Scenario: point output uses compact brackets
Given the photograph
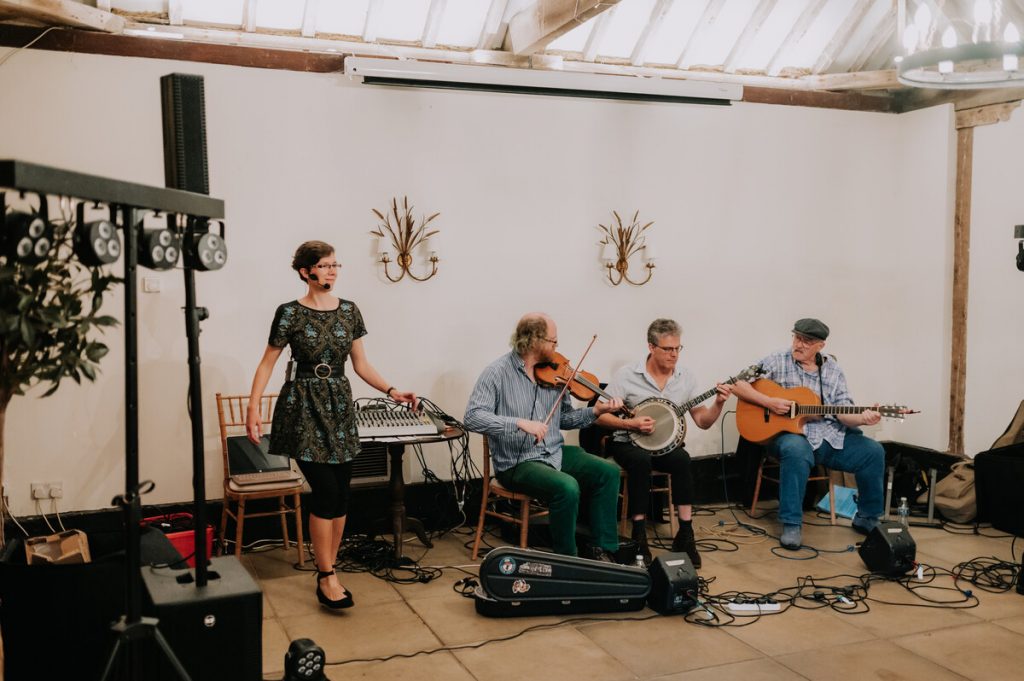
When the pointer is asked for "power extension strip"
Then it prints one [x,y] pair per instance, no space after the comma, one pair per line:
[745,608]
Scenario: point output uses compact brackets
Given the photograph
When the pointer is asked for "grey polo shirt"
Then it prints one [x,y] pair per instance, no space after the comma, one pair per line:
[634,384]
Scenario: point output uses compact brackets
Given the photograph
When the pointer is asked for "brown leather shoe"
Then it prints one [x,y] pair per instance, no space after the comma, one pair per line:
[685,542]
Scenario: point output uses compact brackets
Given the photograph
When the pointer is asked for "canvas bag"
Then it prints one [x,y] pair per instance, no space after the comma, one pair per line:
[955,497]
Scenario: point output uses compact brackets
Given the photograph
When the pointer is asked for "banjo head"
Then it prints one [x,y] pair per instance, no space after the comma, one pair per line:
[669,426]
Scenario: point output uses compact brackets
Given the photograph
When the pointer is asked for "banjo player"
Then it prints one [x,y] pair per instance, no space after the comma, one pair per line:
[659,376]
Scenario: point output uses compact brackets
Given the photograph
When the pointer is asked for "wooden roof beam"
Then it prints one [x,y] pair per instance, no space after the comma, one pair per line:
[757,19]
[534,28]
[706,21]
[658,12]
[841,36]
[795,35]
[62,13]
[862,80]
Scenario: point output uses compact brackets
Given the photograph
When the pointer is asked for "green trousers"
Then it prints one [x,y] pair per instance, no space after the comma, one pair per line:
[596,477]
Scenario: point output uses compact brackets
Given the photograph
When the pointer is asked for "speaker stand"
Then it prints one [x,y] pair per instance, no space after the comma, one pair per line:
[131,633]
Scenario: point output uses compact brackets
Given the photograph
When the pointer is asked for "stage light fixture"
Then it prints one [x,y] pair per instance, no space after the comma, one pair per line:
[96,243]
[206,250]
[27,237]
[304,661]
[159,249]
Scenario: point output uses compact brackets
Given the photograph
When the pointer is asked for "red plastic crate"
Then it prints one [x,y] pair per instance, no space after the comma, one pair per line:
[183,540]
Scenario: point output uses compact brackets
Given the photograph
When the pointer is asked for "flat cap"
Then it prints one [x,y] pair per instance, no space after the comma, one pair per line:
[811,328]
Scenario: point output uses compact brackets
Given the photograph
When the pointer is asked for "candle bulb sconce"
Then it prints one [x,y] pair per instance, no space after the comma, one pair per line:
[620,243]
[398,228]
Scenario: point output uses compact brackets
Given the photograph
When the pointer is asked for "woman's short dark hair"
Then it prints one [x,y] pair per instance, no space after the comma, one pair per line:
[309,254]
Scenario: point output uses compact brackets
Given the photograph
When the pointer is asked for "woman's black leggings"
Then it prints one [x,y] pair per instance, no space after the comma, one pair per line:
[330,484]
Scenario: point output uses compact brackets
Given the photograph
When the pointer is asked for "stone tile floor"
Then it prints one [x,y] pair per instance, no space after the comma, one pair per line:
[889,642]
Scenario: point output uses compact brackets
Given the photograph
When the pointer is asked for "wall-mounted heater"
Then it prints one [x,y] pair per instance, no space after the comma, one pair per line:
[409,73]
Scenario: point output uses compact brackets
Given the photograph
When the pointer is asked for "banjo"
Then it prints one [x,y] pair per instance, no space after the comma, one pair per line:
[669,422]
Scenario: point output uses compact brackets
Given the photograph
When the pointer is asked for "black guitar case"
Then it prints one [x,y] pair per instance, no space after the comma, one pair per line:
[518,582]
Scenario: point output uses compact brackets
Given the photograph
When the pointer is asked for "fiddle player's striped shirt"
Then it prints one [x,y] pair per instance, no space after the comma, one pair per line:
[504,394]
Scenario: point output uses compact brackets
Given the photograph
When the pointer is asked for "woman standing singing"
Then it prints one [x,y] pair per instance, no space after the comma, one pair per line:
[314,419]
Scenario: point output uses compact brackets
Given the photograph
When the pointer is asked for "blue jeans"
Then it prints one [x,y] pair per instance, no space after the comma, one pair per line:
[860,455]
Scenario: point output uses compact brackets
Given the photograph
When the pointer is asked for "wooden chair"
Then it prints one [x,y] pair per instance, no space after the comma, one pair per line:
[661,482]
[231,411]
[493,492]
[770,462]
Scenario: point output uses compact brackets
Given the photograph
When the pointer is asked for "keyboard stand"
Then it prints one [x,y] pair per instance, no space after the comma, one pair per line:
[400,522]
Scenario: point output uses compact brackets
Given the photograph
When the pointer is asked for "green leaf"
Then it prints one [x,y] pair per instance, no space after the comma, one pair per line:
[96,351]
[89,370]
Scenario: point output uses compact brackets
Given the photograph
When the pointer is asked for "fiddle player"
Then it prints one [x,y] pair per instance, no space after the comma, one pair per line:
[508,407]
[834,441]
[658,375]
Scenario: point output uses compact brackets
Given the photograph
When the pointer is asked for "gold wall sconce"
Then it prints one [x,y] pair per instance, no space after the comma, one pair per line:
[621,243]
[398,232]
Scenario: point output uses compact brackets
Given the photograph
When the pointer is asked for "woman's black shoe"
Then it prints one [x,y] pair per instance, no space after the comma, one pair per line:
[334,604]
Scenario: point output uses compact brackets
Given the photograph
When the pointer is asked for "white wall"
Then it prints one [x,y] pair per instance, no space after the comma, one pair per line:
[995,325]
[763,215]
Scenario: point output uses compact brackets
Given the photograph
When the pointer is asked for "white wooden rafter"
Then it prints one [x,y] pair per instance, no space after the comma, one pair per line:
[706,21]
[309,12]
[249,16]
[493,32]
[175,12]
[658,12]
[433,22]
[757,19]
[795,35]
[532,29]
[883,32]
[370,24]
[62,13]
[841,36]
[597,34]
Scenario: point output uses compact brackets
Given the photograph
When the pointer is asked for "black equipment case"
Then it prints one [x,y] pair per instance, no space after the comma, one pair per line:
[998,481]
[518,582]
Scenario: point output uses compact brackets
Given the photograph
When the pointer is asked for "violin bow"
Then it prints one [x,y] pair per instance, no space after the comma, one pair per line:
[565,387]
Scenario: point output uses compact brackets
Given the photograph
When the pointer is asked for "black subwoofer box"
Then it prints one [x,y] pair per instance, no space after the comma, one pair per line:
[216,632]
[889,549]
[998,482]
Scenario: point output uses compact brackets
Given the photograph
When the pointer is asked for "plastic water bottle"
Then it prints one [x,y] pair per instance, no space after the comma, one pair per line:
[903,512]
[640,561]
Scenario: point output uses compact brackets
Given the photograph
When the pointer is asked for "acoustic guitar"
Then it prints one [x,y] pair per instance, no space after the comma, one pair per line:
[759,424]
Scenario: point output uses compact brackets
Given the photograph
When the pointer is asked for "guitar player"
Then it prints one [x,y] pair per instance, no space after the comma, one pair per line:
[834,441]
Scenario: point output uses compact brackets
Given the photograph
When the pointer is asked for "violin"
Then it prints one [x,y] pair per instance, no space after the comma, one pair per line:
[582,385]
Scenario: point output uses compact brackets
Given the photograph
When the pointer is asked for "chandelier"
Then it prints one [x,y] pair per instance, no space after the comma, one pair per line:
[943,48]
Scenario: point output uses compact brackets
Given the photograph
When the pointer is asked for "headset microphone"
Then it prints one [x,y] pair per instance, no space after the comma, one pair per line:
[312,275]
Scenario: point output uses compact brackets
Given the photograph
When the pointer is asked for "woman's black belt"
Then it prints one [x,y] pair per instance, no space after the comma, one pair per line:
[313,370]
